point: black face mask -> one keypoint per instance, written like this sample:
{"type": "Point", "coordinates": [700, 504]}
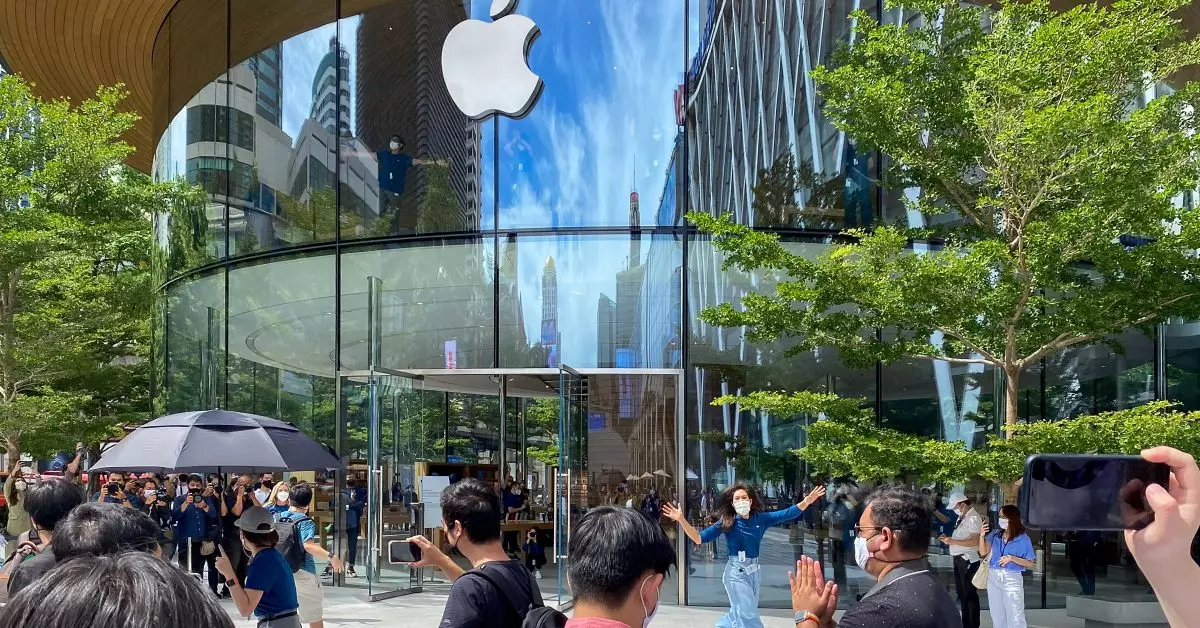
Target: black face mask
{"type": "Point", "coordinates": [268, 483]}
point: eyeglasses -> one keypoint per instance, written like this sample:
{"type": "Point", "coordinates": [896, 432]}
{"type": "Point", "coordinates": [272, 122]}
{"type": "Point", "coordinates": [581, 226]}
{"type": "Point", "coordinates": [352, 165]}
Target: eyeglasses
{"type": "Point", "coordinates": [858, 530]}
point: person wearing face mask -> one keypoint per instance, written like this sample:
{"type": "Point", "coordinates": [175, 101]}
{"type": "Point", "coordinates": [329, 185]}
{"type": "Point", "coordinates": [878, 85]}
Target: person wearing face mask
{"type": "Point", "coordinates": [743, 523]}
{"type": "Point", "coordinates": [964, 547]}
{"type": "Point", "coordinates": [1009, 552]}
{"type": "Point", "coordinates": [267, 590]}
{"type": "Point", "coordinates": [619, 560]}
{"type": "Point", "coordinates": [515, 503]}
{"type": "Point", "coordinates": [14, 492]}
{"type": "Point", "coordinates": [891, 545]}
{"type": "Point", "coordinates": [394, 164]}
{"type": "Point", "coordinates": [262, 490]}
{"type": "Point", "coordinates": [277, 500]}
{"type": "Point", "coordinates": [498, 591]}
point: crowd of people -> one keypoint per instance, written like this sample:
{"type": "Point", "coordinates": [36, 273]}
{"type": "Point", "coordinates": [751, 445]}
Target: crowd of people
{"type": "Point", "coordinates": [224, 532]}
{"type": "Point", "coordinates": [105, 561]}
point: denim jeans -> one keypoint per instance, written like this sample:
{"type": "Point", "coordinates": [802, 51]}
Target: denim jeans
{"type": "Point", "coordinates": [741, 581]}
{"type": "Point", "coordinates": [1006, 598]}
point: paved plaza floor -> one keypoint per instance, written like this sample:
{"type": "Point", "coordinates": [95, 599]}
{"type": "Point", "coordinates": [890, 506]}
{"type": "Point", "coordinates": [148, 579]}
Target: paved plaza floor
{"type": "Point", "coordinates": [348, 607]}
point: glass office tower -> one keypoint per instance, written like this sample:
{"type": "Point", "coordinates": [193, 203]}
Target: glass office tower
{"type": "Point", "coordinates": [431, 294]}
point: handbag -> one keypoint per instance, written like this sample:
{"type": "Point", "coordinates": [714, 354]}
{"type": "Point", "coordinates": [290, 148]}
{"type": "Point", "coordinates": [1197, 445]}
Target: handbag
{"type": "Point", "coordinates": [208, 548]}
{"type": "Point", "coordinates": [980, 580]}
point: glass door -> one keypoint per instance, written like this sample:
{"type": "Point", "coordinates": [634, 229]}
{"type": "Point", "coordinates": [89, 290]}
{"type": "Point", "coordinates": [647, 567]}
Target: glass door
{"type": "Point", "coordinates": [571, 478]}
{"type": "Point", "coordinates": [382, 400]}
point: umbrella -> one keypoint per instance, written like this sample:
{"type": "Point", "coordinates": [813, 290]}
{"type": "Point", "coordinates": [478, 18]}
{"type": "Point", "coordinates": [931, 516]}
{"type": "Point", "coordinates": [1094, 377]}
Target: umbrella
{"type": "Point", "coordinates": [631, 477]}
{"type": "Point", "coordinates": [662, 474]}
{"type": "Point", "coordinates": [646, 476]}
{"type": "Point", "coordinates": [230, 442]}
{"type": "Point", "coordinates": [691, 475]}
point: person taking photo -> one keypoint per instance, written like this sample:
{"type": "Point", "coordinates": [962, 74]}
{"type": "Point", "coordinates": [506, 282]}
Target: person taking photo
{"type": "Point", "coordinates": [195, 517]}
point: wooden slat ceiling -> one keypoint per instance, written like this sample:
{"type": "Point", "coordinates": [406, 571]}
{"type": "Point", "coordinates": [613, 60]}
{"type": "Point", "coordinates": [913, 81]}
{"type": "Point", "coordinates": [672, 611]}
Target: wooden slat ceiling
{"type": "Point", "coordinates": [68, 48]}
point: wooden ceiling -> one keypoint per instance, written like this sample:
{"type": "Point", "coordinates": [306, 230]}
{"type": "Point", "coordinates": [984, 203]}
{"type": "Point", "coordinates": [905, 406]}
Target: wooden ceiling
{"type": "Point", "coordinates": [68, 48]}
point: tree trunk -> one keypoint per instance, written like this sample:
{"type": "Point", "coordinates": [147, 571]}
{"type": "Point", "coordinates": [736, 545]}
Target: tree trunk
{"type": "Point", "coordinates": [12, 449]}
{"type": "Point", "coordinates": [1012, 387]}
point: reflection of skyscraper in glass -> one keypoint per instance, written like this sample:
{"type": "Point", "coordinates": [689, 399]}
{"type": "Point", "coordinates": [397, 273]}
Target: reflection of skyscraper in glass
{"type": "Point", "coordinates": [606, 324]}
{"type": "Point", "coordinates": [512, 318]}
{"type": "Point", "coordinates": [328, 96]}
{"type": "Point", "coordinates": [550, 311]}
{"type": "Point", "coordinates": [629, 291]}
{"type": "Point", "coordinates": [266, 66]}
{"type": "Point", "coordinates": [400, 91]}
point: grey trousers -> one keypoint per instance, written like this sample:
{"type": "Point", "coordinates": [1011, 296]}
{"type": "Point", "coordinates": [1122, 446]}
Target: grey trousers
{"type": "Point", "coordinates": [286, 622]}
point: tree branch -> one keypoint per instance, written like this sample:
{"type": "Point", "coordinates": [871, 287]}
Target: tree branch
{"type": "Point", "coordinates": [982, 361]}
{"type": "Point", "coordinates": [971, 345]}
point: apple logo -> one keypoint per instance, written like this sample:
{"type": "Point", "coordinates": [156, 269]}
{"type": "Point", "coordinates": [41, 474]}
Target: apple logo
{"type": "Point", "coordinates": [486, 67]}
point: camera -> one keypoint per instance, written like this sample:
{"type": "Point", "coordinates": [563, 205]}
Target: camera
{"type": "Point", "coordinates": [113, 488]}
{"type": "Point", "coordinates": [197, 494]}
{"type": "Point", "coordinates": [161, 495]}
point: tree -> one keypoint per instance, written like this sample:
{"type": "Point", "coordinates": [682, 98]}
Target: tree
{"type": "Point", "coordinates": [1024, 131]}
{"type": "Point", "coordinates": [75, 294]}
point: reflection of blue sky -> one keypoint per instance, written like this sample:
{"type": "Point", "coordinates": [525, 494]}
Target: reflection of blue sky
{"type": "Point", "coordinates": [604, 125]}
{"type": "Point", "coordinates": [301, 56]}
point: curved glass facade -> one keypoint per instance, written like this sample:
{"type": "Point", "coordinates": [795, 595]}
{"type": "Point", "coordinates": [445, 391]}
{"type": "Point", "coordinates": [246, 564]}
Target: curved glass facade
{"type": "Point", "coordinates": [337, 170]}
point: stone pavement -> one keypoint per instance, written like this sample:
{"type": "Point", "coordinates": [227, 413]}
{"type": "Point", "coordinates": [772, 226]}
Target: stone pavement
{"type": "Point", "coordinates": [348, 607]}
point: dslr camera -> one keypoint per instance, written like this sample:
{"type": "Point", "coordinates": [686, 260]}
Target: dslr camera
{"type": "Point", "coordinates": [113, 488]}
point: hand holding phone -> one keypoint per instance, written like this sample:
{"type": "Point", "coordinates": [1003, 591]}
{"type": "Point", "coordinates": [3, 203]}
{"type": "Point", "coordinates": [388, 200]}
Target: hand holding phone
{"type": "Point", "coordinates": [1090, 492]}
{"type": "Point", "coordinates": [404, 552]}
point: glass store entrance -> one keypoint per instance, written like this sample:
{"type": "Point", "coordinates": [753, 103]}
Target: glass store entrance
{"type": "Point", "coordinates": [567, 440]}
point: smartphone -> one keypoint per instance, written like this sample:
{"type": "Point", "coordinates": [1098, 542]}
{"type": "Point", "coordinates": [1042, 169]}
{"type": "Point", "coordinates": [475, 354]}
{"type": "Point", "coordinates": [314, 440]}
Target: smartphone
{"type": "Point", "coordinates": [402, 552]}
{"type": "Point", "coordinates": [1089, 492]}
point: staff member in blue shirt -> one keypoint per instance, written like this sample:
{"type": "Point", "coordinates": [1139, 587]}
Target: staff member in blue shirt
{"type": "Point", "coordinates": [268, 590]}
{"type": "Point", "coordinates": [743, 523]}
{"type": "Point", "coordinates": [195, 518]}
{"type": "Point", "coordinates": [1009, 553]}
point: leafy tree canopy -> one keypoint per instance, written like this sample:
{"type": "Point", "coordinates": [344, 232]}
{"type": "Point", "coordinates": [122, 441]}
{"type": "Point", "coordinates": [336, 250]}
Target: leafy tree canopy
{"type": "Point", "coordinates": [1026, 139]}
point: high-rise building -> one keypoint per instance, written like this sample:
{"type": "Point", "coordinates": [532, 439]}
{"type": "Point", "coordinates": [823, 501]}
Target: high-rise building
{"type": "Point", "coordinates": [269, 94]}
{"type": "Point", "coordinates": [550, 312]}
{"type": "Point", "coordinates": [331, 91]}
{"type": "Point", "coordinates": [400, 91]}
{"type": "Point", "coordinates": [606, 329]}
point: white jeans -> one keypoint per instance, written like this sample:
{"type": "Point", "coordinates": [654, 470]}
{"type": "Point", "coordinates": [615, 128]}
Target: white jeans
{"type": "Point", "coordinates": [1006, 598]}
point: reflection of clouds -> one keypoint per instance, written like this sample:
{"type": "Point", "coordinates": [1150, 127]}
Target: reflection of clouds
{"type": "Point", "coordinates": [610, 71]}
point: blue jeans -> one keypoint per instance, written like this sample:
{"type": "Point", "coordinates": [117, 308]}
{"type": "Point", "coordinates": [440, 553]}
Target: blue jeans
{"type": "Point", "coordinates": [741, 581]}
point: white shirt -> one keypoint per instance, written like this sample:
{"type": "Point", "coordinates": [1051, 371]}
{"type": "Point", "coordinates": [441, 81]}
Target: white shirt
{"type": "Point", "coordinates": [967, 525]}
{"type": "Point", "coordinates": [262, 495]}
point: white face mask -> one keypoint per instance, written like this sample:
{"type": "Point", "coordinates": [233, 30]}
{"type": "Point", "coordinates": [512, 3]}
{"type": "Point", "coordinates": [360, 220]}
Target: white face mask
{"type": "Point", "coordinates": [20, 485]}
{"type": "Point", "coordinates": [649, 612]}
{"type": "Point", "coordinates": [861, 553]}
{"type": "Point", "coordinates": [394, 145]}
{"type": "Point", "coordinates": [281, 496]}
{"type": "Point", "coordinates": [1004, 524]}
{"type": "Point", "coordinates": [149, 492]}
{"type": "Point", "coordinates": [742, 508]}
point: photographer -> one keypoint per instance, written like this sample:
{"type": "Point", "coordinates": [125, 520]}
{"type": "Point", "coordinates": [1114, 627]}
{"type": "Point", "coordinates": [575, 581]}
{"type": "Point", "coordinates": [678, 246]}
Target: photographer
{"type": "Point", "coordinates": [114, 491]}
{"type": "Point", "coordinates": [535, 553]}
{"type": "Point", "coordinates": [153, 501]}
{"type": "Point", "coordinates": [195, 518]}
{"type": "Point", "coordinates": [48, 504]}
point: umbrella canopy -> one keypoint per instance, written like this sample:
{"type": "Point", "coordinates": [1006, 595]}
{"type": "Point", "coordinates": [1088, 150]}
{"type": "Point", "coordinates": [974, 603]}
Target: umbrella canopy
{"type": "Point", "coordinates": [646, 476]}
{"type": "Point", "coordinates": [631, 477]}
{"type": "Point", "coordinates": [234, 442]}
{"type": "Point", "coordinates": [691, 475]}
{"type": "Point", "coordinates": [662, 473]}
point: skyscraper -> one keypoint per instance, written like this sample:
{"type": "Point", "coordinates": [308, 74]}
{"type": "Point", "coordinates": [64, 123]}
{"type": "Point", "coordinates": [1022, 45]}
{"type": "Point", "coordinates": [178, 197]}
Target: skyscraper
{"type": "Point", "coordinates": [269, 96]}
{"type": "Point", "coordinates": [331, 95]}
{"type": "Point", "coordinates": [550, 312]}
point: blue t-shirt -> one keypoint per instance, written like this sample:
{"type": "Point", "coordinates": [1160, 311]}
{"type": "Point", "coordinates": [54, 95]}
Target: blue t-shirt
{"type": "Point", "coordinates": [277, 510]}
{"type": "Point", "coordinates": [308, 531]}
{"type": "Point", "coordinates": [393, 171]}
{"type": "Point", "coordinates": [1020, 547]}
{"type": "Point", "coordinates": [746, 534]}
{"type": "Point", "coordinates": [269, 572]}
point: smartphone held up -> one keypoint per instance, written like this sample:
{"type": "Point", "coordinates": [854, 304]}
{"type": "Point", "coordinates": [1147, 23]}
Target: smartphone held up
{"type": "Point", "coordinates": [1089, 492]}
{"type": "Point", "coordinates": [403, 552]}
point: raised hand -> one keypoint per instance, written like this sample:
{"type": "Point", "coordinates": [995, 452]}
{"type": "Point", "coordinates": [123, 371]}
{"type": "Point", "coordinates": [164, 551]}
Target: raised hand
{"type": "Point", "coordinates": [671, 512]}
{"type": "Point", "coordinates": [810, 591]}
{"type": "Point", "coordinates": [1168, 539]}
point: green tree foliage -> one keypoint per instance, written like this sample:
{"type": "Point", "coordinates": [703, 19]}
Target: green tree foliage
{"type": "Point", "coordinates": [1026, 133]}
{"type": "Point", "coordinates": [75, 293]}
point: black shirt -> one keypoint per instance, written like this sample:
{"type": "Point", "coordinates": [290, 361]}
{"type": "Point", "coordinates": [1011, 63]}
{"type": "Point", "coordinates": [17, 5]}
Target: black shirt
{"type": "Point", "coordinates": [230, 501]}
{"type": "Point", "coordinates": [908, 596]}
{"type": "Point", "coordinates": [30, 570]}
{"type": "Point", "coordinates": [476, 602]}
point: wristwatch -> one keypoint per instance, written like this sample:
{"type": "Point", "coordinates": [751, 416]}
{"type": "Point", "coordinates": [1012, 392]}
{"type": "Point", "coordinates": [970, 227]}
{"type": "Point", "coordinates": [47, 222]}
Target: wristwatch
{"type": "Point", "coordinates": [230, 583]}
{"type": "Point", "coordinates": [803, 616]}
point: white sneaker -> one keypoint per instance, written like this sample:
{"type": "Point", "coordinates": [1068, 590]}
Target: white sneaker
{"type": "Point", "coordinates": [537, 573]}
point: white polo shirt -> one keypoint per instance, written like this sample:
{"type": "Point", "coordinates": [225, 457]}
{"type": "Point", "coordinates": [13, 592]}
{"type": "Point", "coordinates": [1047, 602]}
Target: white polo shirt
{"type": "Point", "coordinates": [968, 524]}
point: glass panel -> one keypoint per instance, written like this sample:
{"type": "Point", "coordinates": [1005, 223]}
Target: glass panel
{"type": "Point", "coordinates": [281, 327]}
{"type": "Point", "coordinates": [436, 305]}
{"type": "Point", "coordinates": [432, 181]}
{"type": "Point", "coordinates": [1098, 379]}
{"type": "Point", "coordinates": [572, 462]}
{"type": "Point", "coordinates": [281, 123]}
{"type": "Point", "coordinates": [580, 300]}
{"type": "Point", "coordinates": [387, 519]}
{"type": "Point", "coordinates": [604, 130]}
{"type": "Point", "coordinates": [1183, 363]}
{"type": "Point", "coordinates": [194, 377]}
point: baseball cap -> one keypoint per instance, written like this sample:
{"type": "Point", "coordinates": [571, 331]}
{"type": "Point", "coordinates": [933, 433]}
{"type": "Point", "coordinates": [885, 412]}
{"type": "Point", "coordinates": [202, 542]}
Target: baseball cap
{"type": "Point", "coordinates": [256, 519]}
{"type": "Point", "coordinates": [956, 499]}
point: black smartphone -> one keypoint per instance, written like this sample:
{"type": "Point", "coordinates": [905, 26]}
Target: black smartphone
{"type": "Point", "coordinates": [403, 552]}
{"type": "Point", "coordinates": [1089, 492]}
{"type": "Point", "coordinates": [113, 488]}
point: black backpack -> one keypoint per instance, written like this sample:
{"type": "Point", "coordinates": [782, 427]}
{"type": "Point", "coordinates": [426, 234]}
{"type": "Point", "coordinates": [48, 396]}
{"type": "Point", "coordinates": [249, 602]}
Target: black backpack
{"type": "Point", "coordinates": [535, 614]}
{"type": "Point", "coordinates": [290, 544]}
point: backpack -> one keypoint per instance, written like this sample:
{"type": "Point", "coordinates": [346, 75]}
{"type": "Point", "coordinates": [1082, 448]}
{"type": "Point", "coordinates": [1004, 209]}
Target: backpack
{"type": "Point", "coordinates": [535, 615]}
{"type": "Point", "coordinates": [290, 544]}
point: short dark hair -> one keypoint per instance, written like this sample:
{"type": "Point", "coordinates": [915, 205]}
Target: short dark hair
{"type": "Point", "coordinates": [474, 504]}
{"type": "Point", "coordinates": [99, 529]}
{"type": "Point", "coordinates": [195, 477]}
{"type": "Point", "coordinates": [301, 495]}
{"type": "Point", "coordinates": [262, 539]}
{"type": "Point", "coordinates": [128, 589]}
{"type": "Point", "coordinates": [906, 513]}
{"type": "Point", "coordinates": [611, 550]}
{"type": "Point", "coordinates": [50, 502]}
